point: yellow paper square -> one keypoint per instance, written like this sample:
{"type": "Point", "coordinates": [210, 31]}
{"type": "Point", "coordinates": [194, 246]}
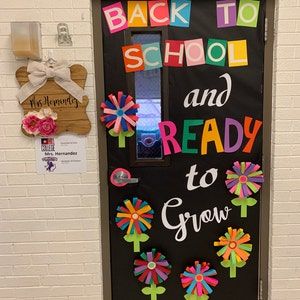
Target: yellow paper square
{"type": "Point", "coordinates": [137, 13]}
{"type": "Point", "coordinates": [237, 53]}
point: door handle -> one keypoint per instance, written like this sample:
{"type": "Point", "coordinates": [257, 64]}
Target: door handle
{"type": "Point", "coordinates": [122, 177]}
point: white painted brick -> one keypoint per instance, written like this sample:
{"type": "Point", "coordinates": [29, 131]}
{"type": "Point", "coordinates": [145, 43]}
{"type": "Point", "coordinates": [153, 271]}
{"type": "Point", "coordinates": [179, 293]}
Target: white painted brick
{"type": "Point", "coordinates": [8, 260]}
{"type": "Point", "coordinates": [50, 258]}
{"type": "Point", "coordinates": [62, 178]}
{"type": "Point", "coordinates": [30, 270]}
{"type": "Point", "coordinates": [63, 201]}
{"type": "Point", "coordinates": [24, 225]}
{"type": "Point", "coordinates": [48, 236]}
{"type": "Point", "coordinates": [66, 280]}
{"type": "Point", "coordinates": [47, 190]}
{"type": "Point", "coordinates": [14, 237]}
{"type": "Point", "coordinates": [27, 202]}
{"type": "Point", "coordinates": [54, 3]}
{"type": "Point", "coordinates": [72, 213]}
{"type": "Point", "coordinates": [83, 189]}
{"type": "Point", "coordinates": [74, 15]}
{"type": "Point", "coordinates": [58, 269]}
{"type": "Point", "coordinates": [12, 191]}
{"type": "Point", "coordinates": [12, 167]}
{"type": "Point", "coordinates": [66, 224]}
{"type": "Point", "coordinates": [31, 179]}
{"type": "Point", "coordinates": [20, 281]}
{"type": "Point", "coordinates": [18, 214]}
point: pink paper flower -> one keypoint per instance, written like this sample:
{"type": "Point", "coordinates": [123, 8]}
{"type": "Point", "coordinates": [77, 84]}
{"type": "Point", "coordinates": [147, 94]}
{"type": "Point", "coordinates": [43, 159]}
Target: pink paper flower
{"type": "Point", "coordinates": [47, 127]}
{"type": "Point", "coordinates": [31, 123]}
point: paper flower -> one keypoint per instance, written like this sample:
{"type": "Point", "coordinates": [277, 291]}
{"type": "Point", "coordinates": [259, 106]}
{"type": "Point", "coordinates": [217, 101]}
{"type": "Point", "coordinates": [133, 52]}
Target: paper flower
{"type": "Point", "coordinates": [235, 251]}
{"type": "Point", "coordinates": [120, 113]}
{"type": "Point", "coordinates": [245, 180]}
{"type": "Point", "coordinates": [47, 127]}
{"type": "Point", "coordinates": [47, 113]}
{"type": "Point", "coordinates": [152, 269]}
{"type": "Point", "coordinates": [135, 217]}
{"type": "Point", "coordinates": [41, 122]}
{"type": "Point", "coordinates": [197, 281]}
{"type": "Point", "coordinates": [30, 123]}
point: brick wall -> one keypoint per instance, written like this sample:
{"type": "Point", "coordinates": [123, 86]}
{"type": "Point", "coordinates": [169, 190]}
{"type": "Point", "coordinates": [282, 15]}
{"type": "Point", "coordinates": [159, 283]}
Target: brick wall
{"type": "Point", "coordinates": [285, 231]}
{"type": "Point", "coordinates": [49, 225]}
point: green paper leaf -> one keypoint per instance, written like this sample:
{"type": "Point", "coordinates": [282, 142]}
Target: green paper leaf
{"type": "Point", "coordinates": [195, 297]}
{"type": "Point", "coordinates": [238, 201]}
{"type": "Point", "coordinates": [136, 239]}
{"type": "Point", "coordinates": [225, 263]}
{"type": "Point", "coordinates": [251, 201]}
{"type": "Point", "coordinates": [121, 136]}
{"type": "Point", "coordinates": [160, 290]}
{"type": "Point", "coordinates": [144, 237]}
{"type": "Point", "coordinates": [241, 264]}
{"type": "Point", "coordinates": [153, 290]}
{"type": "Point", "coordinates": [146, 291]}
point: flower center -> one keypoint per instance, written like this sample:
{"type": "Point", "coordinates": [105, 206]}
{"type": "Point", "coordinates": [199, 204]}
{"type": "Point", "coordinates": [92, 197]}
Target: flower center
{"type": "Point", "coordinates": [135, 216]}
{"type": "Point", "coordinates": [243, 179]}
{"type": "Point", "coordinates": [120, 112]}
{"type": "Point", "coordinates": [232, 245]}
{"type": "Point", "coordinates": [151, 265]}
{"type": "Point", "coordinates": [199, 277]}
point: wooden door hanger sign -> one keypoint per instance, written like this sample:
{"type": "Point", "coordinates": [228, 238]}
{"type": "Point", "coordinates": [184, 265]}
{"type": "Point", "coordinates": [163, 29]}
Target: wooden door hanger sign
{"type": "Point", "coordinates": [53, 99]}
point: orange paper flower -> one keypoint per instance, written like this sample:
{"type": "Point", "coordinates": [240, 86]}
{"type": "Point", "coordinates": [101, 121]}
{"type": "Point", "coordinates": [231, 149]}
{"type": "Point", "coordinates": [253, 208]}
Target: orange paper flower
{"type": "Point", "coordinates": [233, 245]}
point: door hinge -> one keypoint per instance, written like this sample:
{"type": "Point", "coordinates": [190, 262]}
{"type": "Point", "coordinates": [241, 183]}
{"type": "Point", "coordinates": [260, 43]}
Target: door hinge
{"type": "Point", "coordinates": [266, 30]}
{"type": "Point", "coordinates": [260, 289]}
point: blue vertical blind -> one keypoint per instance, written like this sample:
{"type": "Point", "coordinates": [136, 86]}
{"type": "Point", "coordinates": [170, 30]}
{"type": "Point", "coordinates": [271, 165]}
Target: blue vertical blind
{"type": "Point", "coordinates": [148, 95]}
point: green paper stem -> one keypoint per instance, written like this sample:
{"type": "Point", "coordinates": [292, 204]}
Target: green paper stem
{"type": "Point", "coordinates": [196, 297]}
{"type": "Point", "coordinates": [232, 267]}
{"type": "Point", "coordinates": [232, 271]}
{"type": "Point", "coordinates": [243, 203]}
{"type": "Point", "coordinates": [136, 239]}
{"type": "Point", "coordinates": [121, 137]}
{"type": "Point", "coordinates": [153, 291]}
{"type": "Point", "coordinates": [244, 210]}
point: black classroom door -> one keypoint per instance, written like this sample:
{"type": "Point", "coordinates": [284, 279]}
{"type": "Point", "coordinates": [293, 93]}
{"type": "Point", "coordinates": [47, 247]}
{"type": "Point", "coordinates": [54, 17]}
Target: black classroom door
{"type": "Point", "coordinates": [162, 95]}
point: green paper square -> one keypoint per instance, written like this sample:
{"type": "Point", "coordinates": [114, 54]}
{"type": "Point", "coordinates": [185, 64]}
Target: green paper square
{"type": "Point", "coordinates": [248, 13]}
{"type": "Point", "coordinates": [216, 52]}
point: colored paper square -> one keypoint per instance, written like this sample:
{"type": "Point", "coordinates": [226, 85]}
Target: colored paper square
{"type": "Point", "coordinates": [133, 58]}
{"type": "Point", "coordinates": [180, 13]}
{"type": "Point", "coordinates": [216, 52]}
{"type": "Point", "coordinates": [152, 56]}
{"type": "Point", "coordinates": [137, 13]}
{"type": "Point", "coordinates": [226, 13]}
{"type": "Point", "coordinates": [174, 53]}
{"type": "Point", "coordinates": [159, 13]}
{"type": "Point", "coordinates": [115, 17]}
{"type": "Point", "coordinates": [248, 13]}
{"type": "Point", "coordinates": [194, 52]}
{"type": "Point", "coordinates": [237, 53]}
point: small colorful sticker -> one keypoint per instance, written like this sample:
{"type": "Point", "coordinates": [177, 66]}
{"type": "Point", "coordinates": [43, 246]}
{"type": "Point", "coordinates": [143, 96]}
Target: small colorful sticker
{"type": "Point", "coordinates": [235, 251]}
{"type": "Point", "coordinates": [152, 268]}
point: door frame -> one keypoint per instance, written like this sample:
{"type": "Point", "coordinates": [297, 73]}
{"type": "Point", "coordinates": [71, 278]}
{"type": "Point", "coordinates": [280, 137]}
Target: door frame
{"type": "Point", "coordinates": [267, 131]}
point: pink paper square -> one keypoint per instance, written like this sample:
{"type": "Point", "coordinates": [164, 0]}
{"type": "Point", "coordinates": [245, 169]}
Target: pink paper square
{"type": "Point", "coordinates": [115, 17]}
{"type": "Point", "coordinates": [159, 13]}
{"type": "Point", "coordinates": [194, 52]}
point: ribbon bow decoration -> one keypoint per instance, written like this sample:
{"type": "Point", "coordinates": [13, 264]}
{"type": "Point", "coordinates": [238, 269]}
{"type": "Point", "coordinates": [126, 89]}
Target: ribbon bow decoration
{"type": "Point", "coordinates": [40, 73]}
